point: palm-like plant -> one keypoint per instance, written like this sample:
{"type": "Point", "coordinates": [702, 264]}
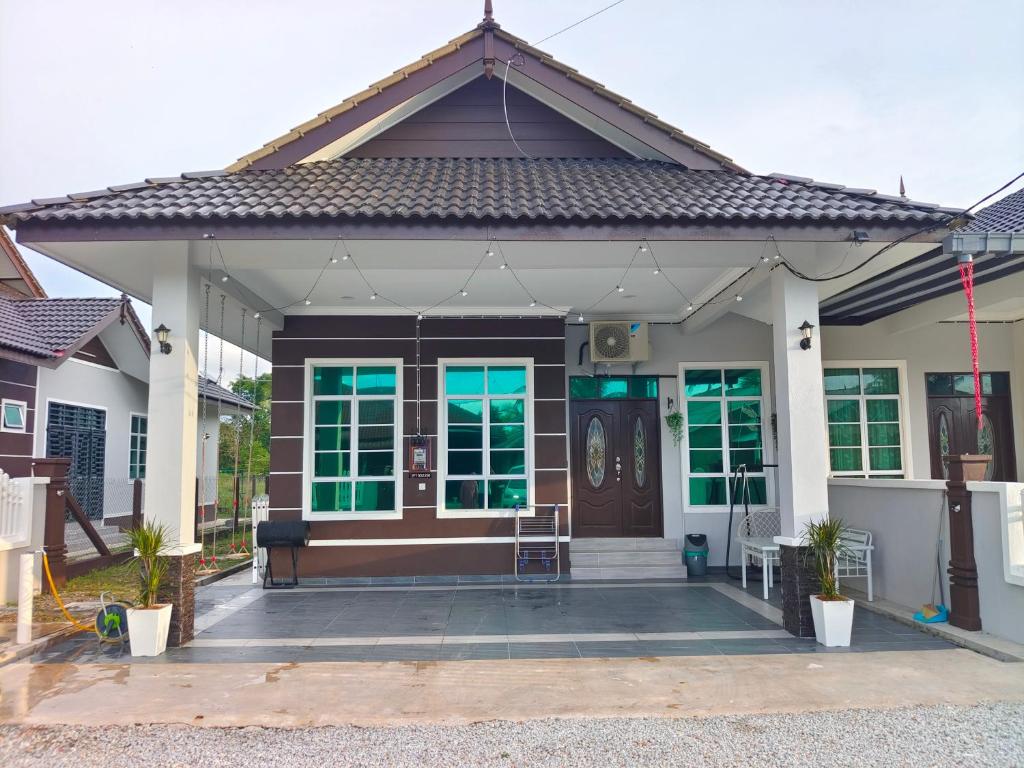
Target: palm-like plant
{"type": "Point", "coordinates": [150, 543]}
{"type": "Point", "coordinates": [825, 544]}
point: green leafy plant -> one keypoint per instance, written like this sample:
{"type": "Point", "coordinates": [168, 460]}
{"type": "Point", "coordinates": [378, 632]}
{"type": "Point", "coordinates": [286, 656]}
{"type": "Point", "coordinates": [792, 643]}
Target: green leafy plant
{"type": "Point", "coordinates": [674, 421]}
{"type": "Point", "coordinates": [825, 544]}
{"type": "Point", "coordinates": [150, 542]}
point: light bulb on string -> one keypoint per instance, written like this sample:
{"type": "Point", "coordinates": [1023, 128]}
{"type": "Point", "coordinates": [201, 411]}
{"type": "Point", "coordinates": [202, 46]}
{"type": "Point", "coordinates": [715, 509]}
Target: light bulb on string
{"type": "Point", "coordinates": [739, 297]}
{"type": "Point", "coordinates": [256, 315]}
{"type": "Point", "coordinates": [689, 307]}
{"type": "Point", "coordinates": [307, 302]}
{"type": "Point", "coordinates": [464, 292]}
{"type": "Point", "coordinates": [533, 302]}
{"type": "Point", "coordinates": [223, 278]}
{"type": "Point", "coordinates": [373, 296]}
{"type": "Point", "coordinates": [619, 288]}
{"type": "Point", "coordinates": [504, 265]}
{"type": "Point", "coordinates": [643, 248]}
{"type": "Point", "coordinates": [334, 259]}
{"type": "Point", "coordinates": [580, 318]}
{"type": "Point", "coordinates": [346, 257]}
{"type": "Point", "coordinates": [656, 271]}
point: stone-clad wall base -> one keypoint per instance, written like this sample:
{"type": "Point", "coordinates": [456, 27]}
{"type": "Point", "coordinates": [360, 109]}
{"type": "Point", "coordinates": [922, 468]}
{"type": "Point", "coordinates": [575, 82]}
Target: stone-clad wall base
{"type": "Point", "coordinates": [799, 582]}
{"type": "Point", "coordinates": [179, 589]}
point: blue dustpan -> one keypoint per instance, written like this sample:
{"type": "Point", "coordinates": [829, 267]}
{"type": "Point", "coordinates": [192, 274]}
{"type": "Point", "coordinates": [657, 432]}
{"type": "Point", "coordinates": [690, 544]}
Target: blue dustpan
{"type": "Point", "coordinates": [942, 615]}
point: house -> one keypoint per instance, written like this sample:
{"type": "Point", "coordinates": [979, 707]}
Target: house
{"type": "Point", "coordinates": [493, 259]}
{"type": "Point", "coordinates": [74, 382]}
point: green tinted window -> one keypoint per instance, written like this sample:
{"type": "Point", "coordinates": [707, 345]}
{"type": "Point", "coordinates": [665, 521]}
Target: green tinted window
{"type": "Point", "coordinates": [708, 491]}
{"type": "Point", "coordinates": [485, 436]}
{"type": "Point", "coordinates": [842, 381]}
{"type": "Point", "coordinates": [704, 412]}
{"type": "Point", "coordinates": [742, 382]}
{"type": "Point", "coordinates": [703, 384]}
{"type": "Point", "coordinates": [864, 424]}
{"type": "Point", "coordinates": [354, 415]}
{"type": "Point", "coordinates": [332, 381]}
{"type": "Point", "coordinates": [464, 380]}
{"type": "Point", "coordinates": [506, 380]}
{"type": "Point", "coordinates": [613, 387]}
{"type": "Point", "coordinates": [375, 381]}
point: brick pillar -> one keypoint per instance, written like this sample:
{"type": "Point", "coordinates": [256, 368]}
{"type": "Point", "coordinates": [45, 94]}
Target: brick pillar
{"type": "Point", "coordinates": [799, 582]}
{"type": "Point", "coordinates": [179, 589]}
{"type": "Point", "coordinates": [53, 528]}
{"type": "Point", "coordinates": [965, 605]}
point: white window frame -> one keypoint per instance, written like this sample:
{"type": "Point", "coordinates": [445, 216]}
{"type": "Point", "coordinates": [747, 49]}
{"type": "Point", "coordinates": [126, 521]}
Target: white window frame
{"type": "Point", "coordinates": [131, 434]}
{"type": "Point", "coordinates": [442, 435]}
{"type": "Point", "coordinates": [308, 446]}
{"type": "Point", "coordinates": [23, 405]}
{"type": "Point", "coordinates": [767, 437]}
{"type": "Point", "coordinates": [867, 473]}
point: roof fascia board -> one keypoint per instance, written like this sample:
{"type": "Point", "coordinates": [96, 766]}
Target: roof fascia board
{"type": "Point", "coordinates": [583, 116]}
{"type": "Point", "coordinates": [395, 115]}
{"type": "Point", "coordinates": [38, 235]}
{"type": "Point", "coordinates": [373, 107]}
{"type": "Point", "coordinates": [936, 308]}
{"type": "Point", "coordinates": [609, 111]}
{"type": "Point", "coordinates": [20, 266]}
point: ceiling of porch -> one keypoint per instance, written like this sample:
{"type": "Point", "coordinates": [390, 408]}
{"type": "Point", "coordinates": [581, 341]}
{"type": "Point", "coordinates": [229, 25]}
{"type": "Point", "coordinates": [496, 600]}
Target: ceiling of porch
{"type": "Point", "coordinates": [278, 277]}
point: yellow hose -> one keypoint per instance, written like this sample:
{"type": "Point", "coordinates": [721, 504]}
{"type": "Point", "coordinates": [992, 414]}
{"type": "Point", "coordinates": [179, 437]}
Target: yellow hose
{"type": "Point", "coordinates": [60, 603]}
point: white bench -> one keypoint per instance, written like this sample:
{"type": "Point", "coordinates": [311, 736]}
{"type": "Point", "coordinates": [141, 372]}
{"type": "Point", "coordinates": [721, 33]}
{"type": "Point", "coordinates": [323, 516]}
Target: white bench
{"type": "Point", "coordinates": [756, 534]}
{"type": "Point", "coordinates": [856, 561]}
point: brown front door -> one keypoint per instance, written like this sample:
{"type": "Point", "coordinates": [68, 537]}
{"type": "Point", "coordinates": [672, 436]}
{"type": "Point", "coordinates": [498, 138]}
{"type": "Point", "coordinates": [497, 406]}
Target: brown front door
{"type": "Point", "coordinates": [953, 425]}
{"type": "Point", "coordinates": [616, 468]}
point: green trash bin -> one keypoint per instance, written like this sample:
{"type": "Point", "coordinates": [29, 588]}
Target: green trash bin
{"type": "Point", "coordinates": [695, 554]}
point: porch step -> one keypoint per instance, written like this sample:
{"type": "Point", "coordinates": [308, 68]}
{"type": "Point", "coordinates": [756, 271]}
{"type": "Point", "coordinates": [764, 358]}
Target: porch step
{"type": "Point", "coordinates": [624, 545]}
{"type": "Point", "coordinates": [626, 558]}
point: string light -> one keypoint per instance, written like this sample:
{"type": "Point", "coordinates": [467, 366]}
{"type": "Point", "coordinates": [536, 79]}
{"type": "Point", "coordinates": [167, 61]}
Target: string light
{"type": "Point", "coordinates": [504, 265]}
{"type": "Point", "coordinates": [256, 315]}
{"type": "Point", "coordinates": [689, 307]}
{"type": "Point", "coordinates": [489, 252]}
{"type": "Point", "coordinates": [619, 288]}
{"type": "Point", "coordinates": [580, 318]}
{"type": "Point", "coordinates": [464, 292]}
{"type": "Point", "coordinates": [334, 259]}
{"type": "Point", "coordinates": [223, 278]}
{"type": "Point", "coordinates": [373, 296]}
{"type": "Point", "coordinates": [656, 271]}
{"type": "Point", "coordinates": [739, 297]}
{"type": "Point", "coordinates": [307, 302]}
{"type": "Point", "coordinates": [533, 302]}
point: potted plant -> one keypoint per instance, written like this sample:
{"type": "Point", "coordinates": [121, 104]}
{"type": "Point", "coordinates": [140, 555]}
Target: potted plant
{"type": "Point", "coordinates": [149, 622]}
{"type": "Point", "coordinates": [674, 421]}
{"type": "Point", "coordinates": [833, 613]}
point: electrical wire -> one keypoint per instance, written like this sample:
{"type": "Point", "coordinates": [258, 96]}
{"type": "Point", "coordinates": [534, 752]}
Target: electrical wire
{"type": "Point", "coordinates": [577, 23]}
{"type": "Point", "coordinates": [889, 246]}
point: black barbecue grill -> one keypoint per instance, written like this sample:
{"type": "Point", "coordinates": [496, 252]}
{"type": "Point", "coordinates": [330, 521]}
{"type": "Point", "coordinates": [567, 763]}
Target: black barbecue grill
{"type": "Point", "coordinates": [292, 534]}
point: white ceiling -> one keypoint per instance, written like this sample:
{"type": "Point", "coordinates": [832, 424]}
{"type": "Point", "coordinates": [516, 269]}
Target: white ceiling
{"type": "Point", "coordinates": [568, 276]}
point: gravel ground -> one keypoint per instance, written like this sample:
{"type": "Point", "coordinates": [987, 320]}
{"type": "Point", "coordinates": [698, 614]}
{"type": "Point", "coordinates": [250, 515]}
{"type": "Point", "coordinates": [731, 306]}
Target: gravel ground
{"type": "Point", "coordinates": [991, 735]}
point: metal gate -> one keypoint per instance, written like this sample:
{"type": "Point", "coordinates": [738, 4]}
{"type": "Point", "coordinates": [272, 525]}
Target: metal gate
{"type": "Point", "coordinates": [80, 434]}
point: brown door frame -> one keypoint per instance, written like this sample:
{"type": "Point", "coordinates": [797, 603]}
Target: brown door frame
{"type": "Point", "coordinates": [575, 443]}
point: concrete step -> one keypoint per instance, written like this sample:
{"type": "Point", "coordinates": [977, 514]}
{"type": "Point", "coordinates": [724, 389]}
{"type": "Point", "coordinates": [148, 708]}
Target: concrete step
{"type": "Point", "coordinates": [630, 558]}
{"type": "Point", "coordinates": [649, 572]}
{"type": "Point", "coordinates": [625, 545]}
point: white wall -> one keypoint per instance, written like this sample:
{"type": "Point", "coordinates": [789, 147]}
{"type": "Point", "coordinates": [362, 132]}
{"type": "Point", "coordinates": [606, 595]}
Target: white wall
{"type": "Point", "coordinates": [903, 517]}
{"type": "Point", "coordinates": [1002, 603]}
{"type": "Point", "coordinates": [936, 348]}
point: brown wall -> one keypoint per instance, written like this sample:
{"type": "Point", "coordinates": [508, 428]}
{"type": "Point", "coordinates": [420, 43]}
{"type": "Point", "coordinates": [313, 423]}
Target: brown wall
{"type": "Point", "coordinates": [543, 339]}
{"type": "Point", "coordinates": [18, 382]}
{"type": "Point", "coordinates": [93, 351]}
{"type": "Point", "coordinates": [470, 122]}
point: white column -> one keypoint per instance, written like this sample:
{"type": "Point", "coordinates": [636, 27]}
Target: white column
{"type": "Point", "coordinates": [800, 407]}
{"type": "Point", "coordinates": [1017, 394]}
{"type": "Point", "coordinates": [171, 444]}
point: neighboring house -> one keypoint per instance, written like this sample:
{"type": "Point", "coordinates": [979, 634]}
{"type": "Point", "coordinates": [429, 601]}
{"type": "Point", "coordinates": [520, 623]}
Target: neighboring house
{"type": "Point", "coordinates": [74, 382]}
{"type": "Point", "coordinates": [432, 268]}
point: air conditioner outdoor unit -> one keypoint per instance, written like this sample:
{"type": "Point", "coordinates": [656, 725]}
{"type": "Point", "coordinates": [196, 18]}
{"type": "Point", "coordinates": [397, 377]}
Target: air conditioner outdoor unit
{"type": "Point", "coordinates": [617, 341]}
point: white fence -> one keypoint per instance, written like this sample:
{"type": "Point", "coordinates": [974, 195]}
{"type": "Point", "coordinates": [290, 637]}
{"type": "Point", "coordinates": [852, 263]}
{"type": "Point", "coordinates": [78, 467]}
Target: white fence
{"type": "Point", "coordinates": [15, 512]}
{"type": "Point", "coordinates": [260, 513]}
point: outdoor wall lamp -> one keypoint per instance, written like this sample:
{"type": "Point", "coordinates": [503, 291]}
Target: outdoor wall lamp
{"type": "Point", "coordinates": [162, 332]}
{"type": "Point", "coordinates": [807, 331]}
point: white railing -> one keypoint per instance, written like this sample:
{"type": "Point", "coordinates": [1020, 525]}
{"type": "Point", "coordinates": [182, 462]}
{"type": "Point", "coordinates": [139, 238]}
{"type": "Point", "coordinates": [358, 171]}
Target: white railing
{"type": "Point", "coordinates": [260, 513]}
{"type": "Point", "coordinates": [15, 512]}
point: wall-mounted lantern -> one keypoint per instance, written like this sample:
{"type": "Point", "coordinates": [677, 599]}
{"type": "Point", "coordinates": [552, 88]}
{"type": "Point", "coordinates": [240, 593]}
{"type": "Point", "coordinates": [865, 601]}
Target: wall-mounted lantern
{"type": "Point", "coordinates": [162, 332]}
{"type": "Point", "coordinates": [807, 331]}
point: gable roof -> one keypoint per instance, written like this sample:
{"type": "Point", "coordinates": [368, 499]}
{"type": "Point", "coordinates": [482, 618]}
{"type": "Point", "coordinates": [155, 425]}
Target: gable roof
{"type": "Point", "coordinates": [21, 284]}
{"type": "Point", "coordinates": [473, 47]}
{"type": "Point", "coordinates": [48, 331]}
{"type": "Point", "coordinates": [484, 190]}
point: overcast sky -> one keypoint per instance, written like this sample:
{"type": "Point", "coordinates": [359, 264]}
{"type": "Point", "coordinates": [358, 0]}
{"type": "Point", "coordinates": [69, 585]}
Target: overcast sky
{"type": "Point", "coordinates": [100, 93]}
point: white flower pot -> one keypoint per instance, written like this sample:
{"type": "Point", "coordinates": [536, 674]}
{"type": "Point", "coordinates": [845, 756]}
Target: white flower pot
{"type": "Point", "coordinates": [833, 621]}
{"type": "Point", "coordinates": [148, 628]}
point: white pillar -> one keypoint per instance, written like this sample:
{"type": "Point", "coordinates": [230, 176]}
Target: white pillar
{"type": "Point", "coordinates": [173, 386]}
{"type": "Point", "coordinates": [1017, 394]}
{"type": "Point", "coordinates": [800, 407]}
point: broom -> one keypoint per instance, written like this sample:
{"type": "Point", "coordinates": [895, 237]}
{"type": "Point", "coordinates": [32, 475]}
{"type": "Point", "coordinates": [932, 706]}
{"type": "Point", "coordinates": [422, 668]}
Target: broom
{"type": "Point", "coordinates": [934, 613]}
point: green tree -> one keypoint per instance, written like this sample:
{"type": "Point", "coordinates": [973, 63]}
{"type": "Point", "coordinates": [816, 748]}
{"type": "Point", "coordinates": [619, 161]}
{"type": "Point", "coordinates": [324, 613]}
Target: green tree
{"type": "Point", "coordinates": [235, 429]}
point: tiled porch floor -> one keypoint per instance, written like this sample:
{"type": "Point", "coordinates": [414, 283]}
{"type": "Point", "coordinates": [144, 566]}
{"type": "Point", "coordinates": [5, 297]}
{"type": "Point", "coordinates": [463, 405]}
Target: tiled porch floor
{"type": "Point", "coordinates": [236, 622]}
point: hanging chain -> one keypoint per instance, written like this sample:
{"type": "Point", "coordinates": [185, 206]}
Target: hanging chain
{"type": "Point", "coordinates": [255, 401]}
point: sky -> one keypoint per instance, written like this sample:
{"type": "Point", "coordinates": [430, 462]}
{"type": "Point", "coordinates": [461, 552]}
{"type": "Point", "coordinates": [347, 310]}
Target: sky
{"type": "Point", "coordinates": [103, 93]}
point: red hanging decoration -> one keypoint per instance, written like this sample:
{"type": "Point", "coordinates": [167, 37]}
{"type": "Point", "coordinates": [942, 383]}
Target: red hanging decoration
{"type": "Point", "coordinates": [967, 278]}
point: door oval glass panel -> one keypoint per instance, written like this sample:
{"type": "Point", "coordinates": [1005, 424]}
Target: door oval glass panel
{"type": "Point", "coordinates": [597, 449]}
{"type": "Point", "coordinates": [639, 452]}
{"type": "Point", "coordinates": [987, 444]}
{"type": "Point", "coordinates": [944, 443]}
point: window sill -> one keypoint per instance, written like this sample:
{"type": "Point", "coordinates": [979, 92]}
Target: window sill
{"type": "Point", "coordinates": [314, 517]}
{"type": "Point", "coordinates": [481, 513]}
